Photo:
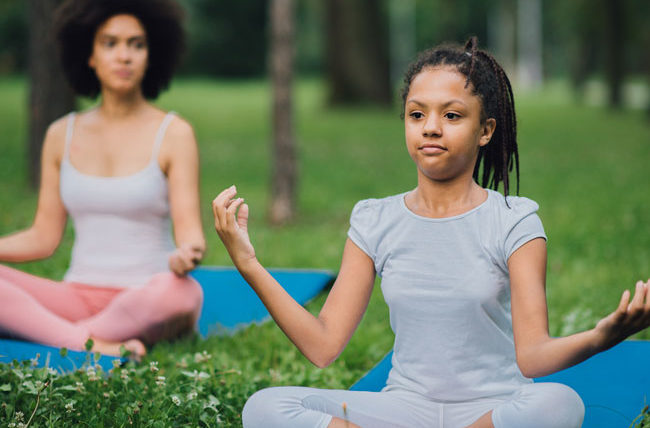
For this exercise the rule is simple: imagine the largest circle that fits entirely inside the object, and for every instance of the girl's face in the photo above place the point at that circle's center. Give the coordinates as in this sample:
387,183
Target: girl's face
120,54
443,124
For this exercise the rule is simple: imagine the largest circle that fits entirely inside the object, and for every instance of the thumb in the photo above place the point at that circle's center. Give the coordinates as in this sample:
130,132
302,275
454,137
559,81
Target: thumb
242,217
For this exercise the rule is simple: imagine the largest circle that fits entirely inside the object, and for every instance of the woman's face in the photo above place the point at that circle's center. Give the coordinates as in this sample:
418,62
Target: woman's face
120,54
442,123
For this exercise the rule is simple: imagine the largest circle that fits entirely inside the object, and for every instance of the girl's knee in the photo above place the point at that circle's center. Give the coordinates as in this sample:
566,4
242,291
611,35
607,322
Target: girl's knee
261,408
567,406
548,405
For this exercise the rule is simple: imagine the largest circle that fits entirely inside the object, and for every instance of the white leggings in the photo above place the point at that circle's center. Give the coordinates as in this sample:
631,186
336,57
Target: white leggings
538,405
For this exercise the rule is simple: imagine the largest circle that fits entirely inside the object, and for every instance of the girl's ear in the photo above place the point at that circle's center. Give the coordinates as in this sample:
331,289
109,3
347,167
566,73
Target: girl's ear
487,130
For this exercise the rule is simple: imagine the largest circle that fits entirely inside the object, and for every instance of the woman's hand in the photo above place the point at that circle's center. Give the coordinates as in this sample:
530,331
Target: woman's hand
630,317
185,258
232,226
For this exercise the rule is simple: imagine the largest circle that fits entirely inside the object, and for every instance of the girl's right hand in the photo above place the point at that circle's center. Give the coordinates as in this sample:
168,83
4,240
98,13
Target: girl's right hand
232,226
631,316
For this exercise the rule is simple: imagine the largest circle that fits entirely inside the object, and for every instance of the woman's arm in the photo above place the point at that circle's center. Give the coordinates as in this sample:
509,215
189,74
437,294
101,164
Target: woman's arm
180,160
321,339
538,354
43,237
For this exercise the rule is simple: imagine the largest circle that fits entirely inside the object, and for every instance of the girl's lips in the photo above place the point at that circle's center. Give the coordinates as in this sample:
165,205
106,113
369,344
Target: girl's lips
432,149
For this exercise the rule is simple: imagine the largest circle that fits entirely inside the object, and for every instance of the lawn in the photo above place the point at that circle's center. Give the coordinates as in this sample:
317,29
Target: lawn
585,166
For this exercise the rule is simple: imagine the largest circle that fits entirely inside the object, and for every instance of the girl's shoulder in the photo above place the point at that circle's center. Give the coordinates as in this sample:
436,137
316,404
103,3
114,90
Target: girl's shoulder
506,213
511,205
373,206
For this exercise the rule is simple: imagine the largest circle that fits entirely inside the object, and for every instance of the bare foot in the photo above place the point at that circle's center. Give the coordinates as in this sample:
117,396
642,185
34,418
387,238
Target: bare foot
136,347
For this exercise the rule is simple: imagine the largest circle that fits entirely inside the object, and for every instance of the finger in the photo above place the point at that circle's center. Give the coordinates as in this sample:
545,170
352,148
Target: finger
637,301
242,217
232,210
196,255
623,304
219,203
225,195
646,307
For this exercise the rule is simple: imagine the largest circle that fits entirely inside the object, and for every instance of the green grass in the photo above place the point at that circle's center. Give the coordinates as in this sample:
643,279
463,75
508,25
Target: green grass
586,166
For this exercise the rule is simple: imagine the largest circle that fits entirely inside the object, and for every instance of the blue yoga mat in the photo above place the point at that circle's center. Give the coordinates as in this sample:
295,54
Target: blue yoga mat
614,385
229,304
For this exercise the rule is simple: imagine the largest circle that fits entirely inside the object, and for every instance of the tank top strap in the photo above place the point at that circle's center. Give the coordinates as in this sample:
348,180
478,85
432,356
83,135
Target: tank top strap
161,134
68,135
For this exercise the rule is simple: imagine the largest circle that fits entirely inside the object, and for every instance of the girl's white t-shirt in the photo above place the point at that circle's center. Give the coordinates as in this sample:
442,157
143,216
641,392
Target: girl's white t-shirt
447,286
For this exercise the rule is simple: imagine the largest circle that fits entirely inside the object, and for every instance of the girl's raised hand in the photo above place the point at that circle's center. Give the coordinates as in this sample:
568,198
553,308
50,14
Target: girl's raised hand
630,317
232,226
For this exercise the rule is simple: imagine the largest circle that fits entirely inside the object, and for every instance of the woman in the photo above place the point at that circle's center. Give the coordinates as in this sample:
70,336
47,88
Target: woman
121,171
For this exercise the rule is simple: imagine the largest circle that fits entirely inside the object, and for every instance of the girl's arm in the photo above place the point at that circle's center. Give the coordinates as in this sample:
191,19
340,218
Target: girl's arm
43,237
181,164
321,339
538,354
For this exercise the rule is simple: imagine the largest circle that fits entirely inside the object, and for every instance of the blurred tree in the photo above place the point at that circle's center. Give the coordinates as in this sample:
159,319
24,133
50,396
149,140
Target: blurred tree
358,66
529,43
13,36
50,97
614,45
226,38
502,34
284,170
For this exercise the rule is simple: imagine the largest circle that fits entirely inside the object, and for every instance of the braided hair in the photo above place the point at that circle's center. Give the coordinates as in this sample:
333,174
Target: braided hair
489,82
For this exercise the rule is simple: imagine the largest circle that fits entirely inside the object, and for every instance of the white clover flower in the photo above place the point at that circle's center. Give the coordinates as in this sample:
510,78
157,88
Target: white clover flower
196,375
201,357
92,374
20,416
192,395
176,400
69,408
153,366
116,363
160,381
124,374
52,372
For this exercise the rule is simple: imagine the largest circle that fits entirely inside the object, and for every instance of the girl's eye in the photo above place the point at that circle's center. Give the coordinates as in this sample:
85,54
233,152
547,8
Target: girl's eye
452,116
416,115
108,43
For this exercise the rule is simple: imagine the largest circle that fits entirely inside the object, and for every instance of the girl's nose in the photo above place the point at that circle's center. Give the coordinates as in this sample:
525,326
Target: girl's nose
432,127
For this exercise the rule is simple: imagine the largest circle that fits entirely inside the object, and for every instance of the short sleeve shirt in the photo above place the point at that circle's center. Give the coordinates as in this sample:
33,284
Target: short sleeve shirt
446,283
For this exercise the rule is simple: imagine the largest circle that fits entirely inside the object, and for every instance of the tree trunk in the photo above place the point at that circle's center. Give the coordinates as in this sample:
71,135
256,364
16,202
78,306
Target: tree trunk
614,44
529,47
358,64
283,191
403,36
50,96
501,34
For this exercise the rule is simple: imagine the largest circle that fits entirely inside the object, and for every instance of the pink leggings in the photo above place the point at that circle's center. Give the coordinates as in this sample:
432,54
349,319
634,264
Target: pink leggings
66,314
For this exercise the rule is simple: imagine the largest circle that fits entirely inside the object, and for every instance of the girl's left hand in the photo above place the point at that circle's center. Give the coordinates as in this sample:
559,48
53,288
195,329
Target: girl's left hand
185,258
630,317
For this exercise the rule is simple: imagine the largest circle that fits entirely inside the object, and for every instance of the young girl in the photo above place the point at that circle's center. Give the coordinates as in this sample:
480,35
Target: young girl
463,274
120,170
